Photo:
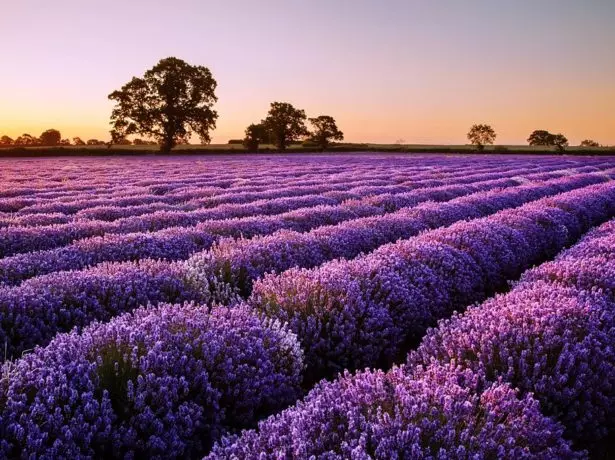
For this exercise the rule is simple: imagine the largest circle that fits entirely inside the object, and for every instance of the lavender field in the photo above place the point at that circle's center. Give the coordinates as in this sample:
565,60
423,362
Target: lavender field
308,306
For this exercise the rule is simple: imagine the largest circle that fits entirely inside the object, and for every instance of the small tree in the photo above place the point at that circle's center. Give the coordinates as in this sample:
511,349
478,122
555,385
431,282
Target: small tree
560,141
50,137
545,138
256,134
285,124
589,143
481,135
95,142
26,139
325,130
78,141
541,137
64,142
6,140
170,102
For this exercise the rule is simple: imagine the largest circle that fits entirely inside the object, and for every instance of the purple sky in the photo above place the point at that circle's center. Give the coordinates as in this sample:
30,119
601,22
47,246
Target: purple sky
421,71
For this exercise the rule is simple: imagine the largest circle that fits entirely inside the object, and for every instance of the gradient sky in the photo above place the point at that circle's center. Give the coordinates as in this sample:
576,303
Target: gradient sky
418,70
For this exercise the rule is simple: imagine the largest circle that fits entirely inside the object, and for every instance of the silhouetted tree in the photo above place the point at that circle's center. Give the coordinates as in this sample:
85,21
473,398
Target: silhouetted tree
122,141
26,139
50,137
589,143
285,124
64,142
481,135
545,138
560,141
541,137
95,142
78,141
138,141
6,140
325,130
169,103
256,134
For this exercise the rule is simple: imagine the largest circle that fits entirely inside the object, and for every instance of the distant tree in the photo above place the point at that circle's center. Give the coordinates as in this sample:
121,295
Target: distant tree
26,139
169,103
541,137
122,141
481,135
78,141
64,142
256,134
545,138
50,137
560,141
6,140
138,141
324,131
285,124
589,143
95,142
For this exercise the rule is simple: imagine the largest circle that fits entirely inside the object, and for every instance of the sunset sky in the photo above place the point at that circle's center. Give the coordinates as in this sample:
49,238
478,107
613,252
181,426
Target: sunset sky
418,70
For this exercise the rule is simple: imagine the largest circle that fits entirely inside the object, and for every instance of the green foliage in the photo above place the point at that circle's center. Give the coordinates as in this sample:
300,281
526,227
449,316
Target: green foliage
285,124
481,135
172,101
325,130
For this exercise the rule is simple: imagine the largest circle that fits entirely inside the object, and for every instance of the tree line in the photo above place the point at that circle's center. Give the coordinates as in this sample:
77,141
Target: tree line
482,134
174,101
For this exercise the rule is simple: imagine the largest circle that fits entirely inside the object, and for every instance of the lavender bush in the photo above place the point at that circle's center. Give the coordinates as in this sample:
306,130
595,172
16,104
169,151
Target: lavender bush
162,382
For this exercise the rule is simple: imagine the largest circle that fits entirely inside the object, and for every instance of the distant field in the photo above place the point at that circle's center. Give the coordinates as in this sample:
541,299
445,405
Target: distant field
236,148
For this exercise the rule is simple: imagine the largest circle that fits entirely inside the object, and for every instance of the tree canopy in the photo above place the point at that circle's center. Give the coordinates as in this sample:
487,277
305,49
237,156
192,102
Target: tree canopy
285,124
50,137
481,135
256,134
589,143
545,138
324,131
172,101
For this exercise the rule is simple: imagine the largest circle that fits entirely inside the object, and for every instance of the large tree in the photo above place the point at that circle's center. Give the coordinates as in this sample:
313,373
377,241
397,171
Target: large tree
285,124
50,137
172,101
324,131
481,135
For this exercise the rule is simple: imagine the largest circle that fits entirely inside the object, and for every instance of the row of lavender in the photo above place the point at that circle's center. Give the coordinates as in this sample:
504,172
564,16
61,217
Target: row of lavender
42,178
82,192
203,190
174,379
20,239
177,243
33,312
546,349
